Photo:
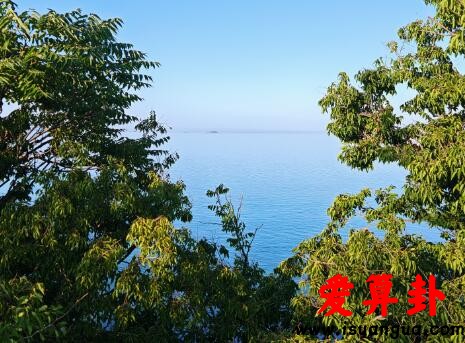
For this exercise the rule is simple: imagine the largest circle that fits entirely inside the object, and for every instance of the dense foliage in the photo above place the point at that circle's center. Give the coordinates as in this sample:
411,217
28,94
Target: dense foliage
88,248
425,135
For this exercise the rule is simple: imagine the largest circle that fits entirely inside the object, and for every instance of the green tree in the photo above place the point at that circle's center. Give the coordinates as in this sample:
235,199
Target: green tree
88,248
425,136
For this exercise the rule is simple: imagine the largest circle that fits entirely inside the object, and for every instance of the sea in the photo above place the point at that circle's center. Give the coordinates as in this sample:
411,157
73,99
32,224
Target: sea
283,182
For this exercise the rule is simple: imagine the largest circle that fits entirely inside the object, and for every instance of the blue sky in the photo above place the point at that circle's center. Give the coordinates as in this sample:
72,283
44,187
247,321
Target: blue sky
249,65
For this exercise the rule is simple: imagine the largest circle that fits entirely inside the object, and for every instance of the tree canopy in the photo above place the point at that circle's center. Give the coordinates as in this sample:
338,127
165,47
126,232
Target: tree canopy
425,136
88,250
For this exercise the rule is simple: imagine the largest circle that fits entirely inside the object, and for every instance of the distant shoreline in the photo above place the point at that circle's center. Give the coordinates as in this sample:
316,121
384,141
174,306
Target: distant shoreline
249,131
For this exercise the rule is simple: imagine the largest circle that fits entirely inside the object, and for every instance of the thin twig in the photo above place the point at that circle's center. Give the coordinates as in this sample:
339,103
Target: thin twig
59,318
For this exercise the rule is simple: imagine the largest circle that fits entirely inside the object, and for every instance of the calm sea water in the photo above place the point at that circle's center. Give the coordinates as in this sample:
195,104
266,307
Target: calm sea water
286,182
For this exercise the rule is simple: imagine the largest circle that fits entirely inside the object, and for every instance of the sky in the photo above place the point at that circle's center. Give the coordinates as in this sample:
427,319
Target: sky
249,65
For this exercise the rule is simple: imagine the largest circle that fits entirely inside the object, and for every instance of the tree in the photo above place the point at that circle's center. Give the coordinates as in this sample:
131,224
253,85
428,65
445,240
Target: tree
69,84
88,248
425,136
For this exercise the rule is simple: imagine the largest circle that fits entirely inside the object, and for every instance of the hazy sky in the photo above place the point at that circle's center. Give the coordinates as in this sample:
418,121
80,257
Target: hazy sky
249,65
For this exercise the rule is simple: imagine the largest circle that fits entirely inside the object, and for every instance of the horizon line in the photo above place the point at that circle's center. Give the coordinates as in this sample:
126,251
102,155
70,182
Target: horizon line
218,131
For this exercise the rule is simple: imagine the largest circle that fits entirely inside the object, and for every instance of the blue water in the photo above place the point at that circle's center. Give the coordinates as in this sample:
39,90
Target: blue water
286,182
